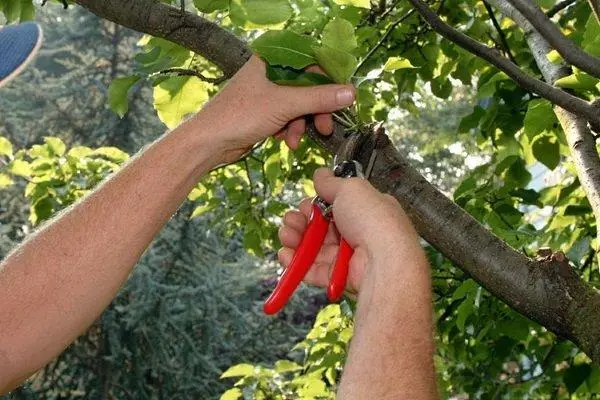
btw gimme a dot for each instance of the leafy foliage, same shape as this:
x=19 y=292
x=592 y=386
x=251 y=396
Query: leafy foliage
x=498 y=149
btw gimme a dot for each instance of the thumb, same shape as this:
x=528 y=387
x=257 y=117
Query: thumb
x=327 y=185
x=317 y=99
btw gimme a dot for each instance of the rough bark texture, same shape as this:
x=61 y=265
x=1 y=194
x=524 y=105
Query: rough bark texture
x=547 y=291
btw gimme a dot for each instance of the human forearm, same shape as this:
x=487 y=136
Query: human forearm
x=58 y=282
x=391 y=354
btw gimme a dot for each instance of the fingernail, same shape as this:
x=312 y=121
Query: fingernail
x=345 y=97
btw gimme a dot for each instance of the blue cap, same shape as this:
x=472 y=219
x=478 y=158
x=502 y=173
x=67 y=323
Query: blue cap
x=18 y=46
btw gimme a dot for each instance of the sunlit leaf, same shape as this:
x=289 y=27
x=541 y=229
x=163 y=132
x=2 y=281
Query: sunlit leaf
x=117 y=94
x=177 y=97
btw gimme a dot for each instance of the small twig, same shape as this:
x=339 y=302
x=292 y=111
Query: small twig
x=559 y=7
x=250 y=182
x=501 y=34
x=182 y=6
x=192 y=72
x=382 y=40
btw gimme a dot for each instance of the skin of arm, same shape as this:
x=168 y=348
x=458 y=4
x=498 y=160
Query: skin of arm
x=391 y=353
x=55 y=284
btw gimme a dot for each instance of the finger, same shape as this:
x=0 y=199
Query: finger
x=279 y=135
x=316 y=69
x=289 y=237
x=285 y=255
x=295 y=220
x=327 y=185
x=305 y=207
x=295 y=131
x=324 y=123
x=316 y=99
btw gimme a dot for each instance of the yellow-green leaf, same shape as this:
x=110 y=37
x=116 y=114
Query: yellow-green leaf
x=117 y=94
x=238 y=370
x=394 y=63
x=5 y=181
x=355 y=3
x=339 y=34
x=232 y=394
x=6 y=148
x=56 y=145
x=20 y=168
x=177 y=97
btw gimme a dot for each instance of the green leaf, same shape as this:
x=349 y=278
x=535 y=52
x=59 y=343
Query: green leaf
x=242 y=370
x=575 y=376
x=339 y=65
x=354 y=3
x=394 y=63
x=591 y=37
x=20 y=168
x=539 y=117
x=177 y=97
x=252 y=14
x=441 y=87
x=208 y=6
x=5 y=181
x=232 y=394
x=6 y=148
x=293 y=77
x=282 y=366
x=286 y=48
x=554 y=57
x=339 y=34
x=57 y=146
x=117 y=94
x=200 y=210
x=577 y=80
x=463 y=312
x=112 y=153
x=546 y=150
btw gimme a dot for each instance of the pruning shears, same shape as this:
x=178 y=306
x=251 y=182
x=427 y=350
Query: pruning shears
x=311 y=243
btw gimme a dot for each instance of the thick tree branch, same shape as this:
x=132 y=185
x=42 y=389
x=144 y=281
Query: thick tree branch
x=547 y=291
x=184 y=28
x=567 y=49
x=557 y=96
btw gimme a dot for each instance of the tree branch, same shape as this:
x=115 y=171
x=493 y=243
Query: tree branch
x=184 y=28
x=383 y=39
x=500 y=31
x=558 y=7
x=567 y=49
x=547 y=291
x=193 y=72
x=527 y=82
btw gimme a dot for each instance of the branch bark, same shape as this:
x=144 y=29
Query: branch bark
x=184 y=28
x=547 y=291
x=582 y=142
x=567 y=49
x=557 y=96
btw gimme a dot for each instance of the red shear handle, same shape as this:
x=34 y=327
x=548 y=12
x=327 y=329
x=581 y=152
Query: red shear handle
x=339 y=276
x=305 y=256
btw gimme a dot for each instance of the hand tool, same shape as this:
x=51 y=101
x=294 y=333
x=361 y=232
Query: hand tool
x=311 y=243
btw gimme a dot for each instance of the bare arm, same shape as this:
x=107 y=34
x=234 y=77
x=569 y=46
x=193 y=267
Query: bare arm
x=391 y=353
x=58 y=282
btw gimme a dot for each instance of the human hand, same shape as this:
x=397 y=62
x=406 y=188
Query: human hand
x=251 y=108
x=372 y=223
